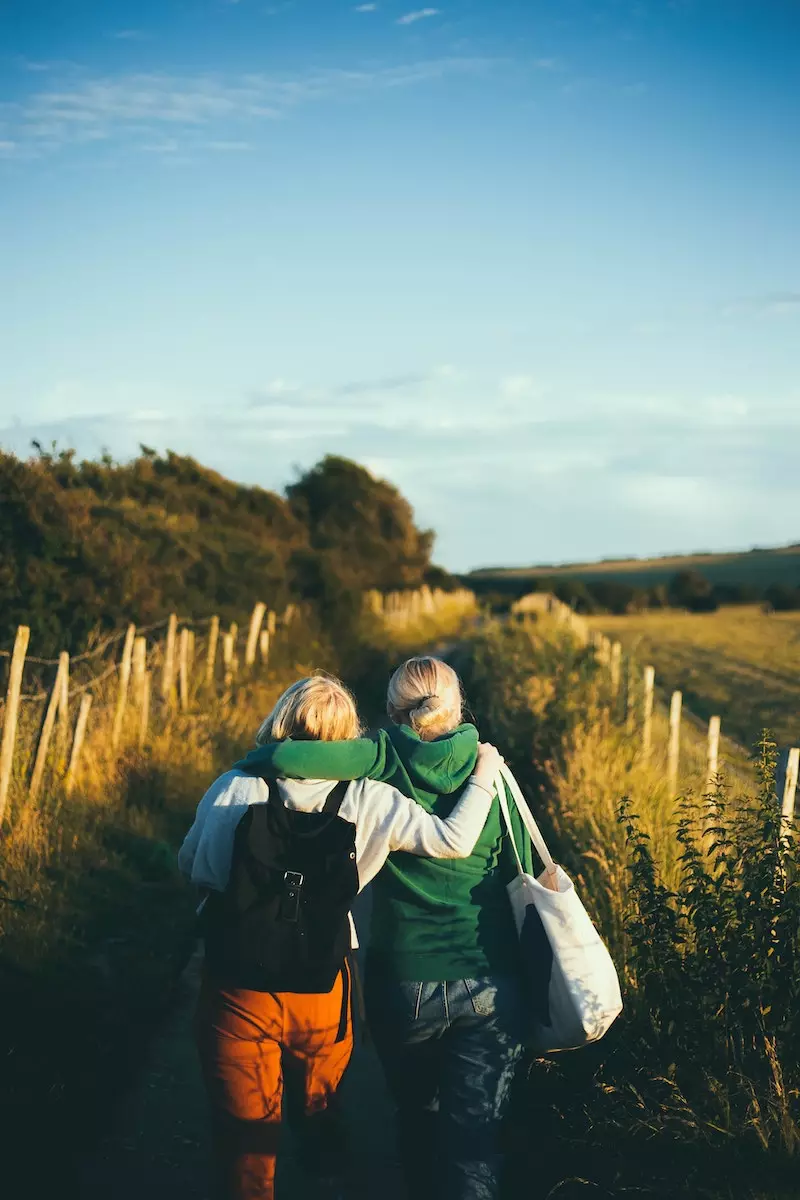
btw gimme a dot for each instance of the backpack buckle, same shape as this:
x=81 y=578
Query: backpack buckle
x=290 y=902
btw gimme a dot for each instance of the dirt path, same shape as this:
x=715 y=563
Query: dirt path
x=157 y=1147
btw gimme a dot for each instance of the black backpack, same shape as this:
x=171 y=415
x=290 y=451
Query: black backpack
x=282 y=925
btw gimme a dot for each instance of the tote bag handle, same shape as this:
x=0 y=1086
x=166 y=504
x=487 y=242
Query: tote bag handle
x=539 y=844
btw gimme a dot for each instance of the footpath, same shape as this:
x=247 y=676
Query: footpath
x=158 y=1145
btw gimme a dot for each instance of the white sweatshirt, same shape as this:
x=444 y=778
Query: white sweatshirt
x=384 y=818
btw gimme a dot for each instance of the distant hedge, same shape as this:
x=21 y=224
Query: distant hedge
x=87 y=545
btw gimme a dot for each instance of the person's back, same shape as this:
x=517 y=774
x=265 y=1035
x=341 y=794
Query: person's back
x=435 y=919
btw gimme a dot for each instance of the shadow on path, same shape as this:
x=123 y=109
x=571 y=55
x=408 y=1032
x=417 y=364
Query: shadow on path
x=157 y=1149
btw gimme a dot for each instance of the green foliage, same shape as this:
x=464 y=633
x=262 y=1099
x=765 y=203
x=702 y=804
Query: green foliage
x=715 y=965
x=86 y=546
x=365 y=523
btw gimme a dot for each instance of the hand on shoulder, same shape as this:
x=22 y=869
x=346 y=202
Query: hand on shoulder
x=487 y=768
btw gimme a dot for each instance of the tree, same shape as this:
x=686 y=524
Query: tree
x=362 y=524
x=689 y=589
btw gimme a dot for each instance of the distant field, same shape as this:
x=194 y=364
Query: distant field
x=739 y=662
x=756 y=567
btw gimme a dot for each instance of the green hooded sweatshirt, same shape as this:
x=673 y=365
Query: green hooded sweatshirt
x=432 y=919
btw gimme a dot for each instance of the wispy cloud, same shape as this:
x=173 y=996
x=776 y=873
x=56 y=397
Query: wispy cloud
x=781 y=302
x=139 y=107
x=130 y=35
x=365 y=8
x=419 y=15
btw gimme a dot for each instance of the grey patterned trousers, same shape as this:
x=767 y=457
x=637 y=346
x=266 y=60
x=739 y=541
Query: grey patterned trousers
x=449 y=1051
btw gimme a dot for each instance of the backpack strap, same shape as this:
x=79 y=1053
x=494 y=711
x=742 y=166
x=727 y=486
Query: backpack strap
x=335 y=797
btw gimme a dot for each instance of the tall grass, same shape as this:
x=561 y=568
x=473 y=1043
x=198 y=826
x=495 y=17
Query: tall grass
x=698 y=898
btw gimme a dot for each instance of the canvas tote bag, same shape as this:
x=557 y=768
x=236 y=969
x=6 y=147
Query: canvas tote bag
x=583 y=996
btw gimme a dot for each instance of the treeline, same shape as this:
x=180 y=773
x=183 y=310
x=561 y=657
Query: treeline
x=688 y=590
x=87 y=545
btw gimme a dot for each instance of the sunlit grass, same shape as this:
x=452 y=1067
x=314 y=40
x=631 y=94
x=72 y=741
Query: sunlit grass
x=740 y=662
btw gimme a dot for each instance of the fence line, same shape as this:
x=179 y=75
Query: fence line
x=639 y=699
x=175 y=669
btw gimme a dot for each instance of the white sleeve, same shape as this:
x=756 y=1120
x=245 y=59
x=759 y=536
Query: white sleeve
x=386 y=820
x=205 y=856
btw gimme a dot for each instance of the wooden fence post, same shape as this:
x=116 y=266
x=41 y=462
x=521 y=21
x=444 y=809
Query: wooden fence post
x=213 y=639
x=11 y=713
x=124 y=679
x=183 y=668
x=263 y=645
x=673 y=754
x=77 y=741
x=252 y=635
x=713 y=751
x=168 y=672
x=647 y=718
x=53 y=705
x=144 y=708
x=790 y=784
x=63 y=708
x=272 y=619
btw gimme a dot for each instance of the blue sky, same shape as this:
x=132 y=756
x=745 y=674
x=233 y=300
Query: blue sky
x=537 y=263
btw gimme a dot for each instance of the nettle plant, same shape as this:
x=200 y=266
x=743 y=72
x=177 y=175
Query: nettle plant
x=714 y=965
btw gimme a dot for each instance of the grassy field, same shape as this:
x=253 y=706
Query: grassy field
x=759 y=568
x=741 y=663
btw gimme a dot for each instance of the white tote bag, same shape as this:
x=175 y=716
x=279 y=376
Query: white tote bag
x=583 y=996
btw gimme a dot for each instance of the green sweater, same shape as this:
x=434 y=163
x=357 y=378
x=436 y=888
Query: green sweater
x=433 y=919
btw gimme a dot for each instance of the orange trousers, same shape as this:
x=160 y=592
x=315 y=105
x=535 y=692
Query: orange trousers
x=250 y=1043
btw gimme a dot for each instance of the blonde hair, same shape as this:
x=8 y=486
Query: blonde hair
x=319 y=708
x=425 y=693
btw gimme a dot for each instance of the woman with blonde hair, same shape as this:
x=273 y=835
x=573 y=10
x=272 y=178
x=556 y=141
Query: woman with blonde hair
x=444 y=994
x=281 y=862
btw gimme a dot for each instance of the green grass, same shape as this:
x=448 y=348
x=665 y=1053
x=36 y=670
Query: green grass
x=758 y=568
x=740 y=663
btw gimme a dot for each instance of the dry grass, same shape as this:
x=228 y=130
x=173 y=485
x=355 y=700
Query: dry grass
x=740 y=663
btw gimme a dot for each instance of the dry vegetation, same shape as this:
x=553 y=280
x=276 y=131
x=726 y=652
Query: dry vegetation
x=741 y=663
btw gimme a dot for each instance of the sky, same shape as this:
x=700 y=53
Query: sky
x=537 y=262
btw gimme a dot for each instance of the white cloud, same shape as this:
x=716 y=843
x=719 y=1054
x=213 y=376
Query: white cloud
x=365 y=8
x=141 y=105
x=130 y=35
x=419 y=15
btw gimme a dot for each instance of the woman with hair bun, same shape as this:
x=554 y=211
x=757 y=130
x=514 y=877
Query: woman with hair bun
x=444 y=995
